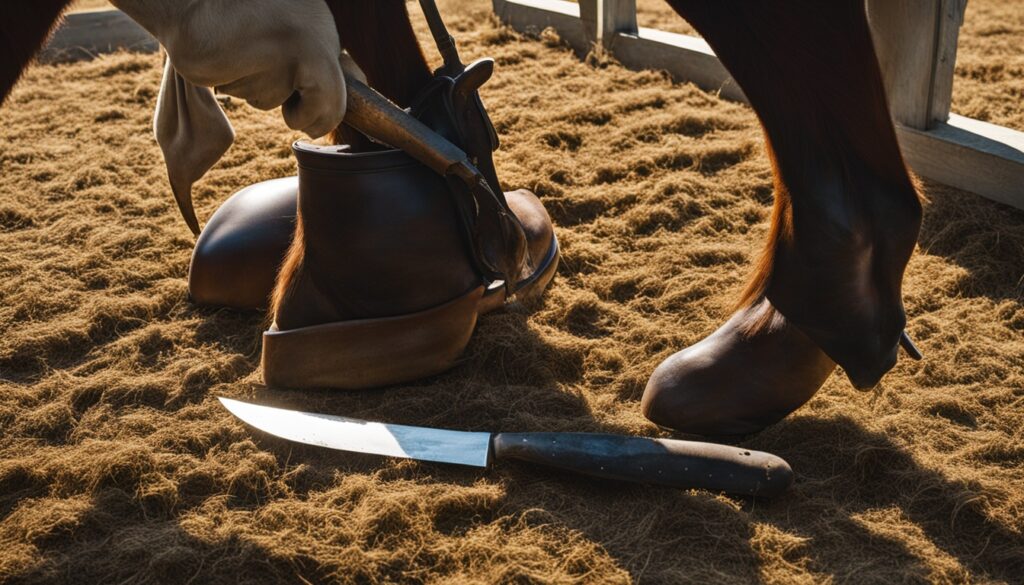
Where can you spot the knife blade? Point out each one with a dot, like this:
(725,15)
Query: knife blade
(665,462)
(360,436)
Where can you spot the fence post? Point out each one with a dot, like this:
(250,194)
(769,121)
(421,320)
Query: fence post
(618,16)
(916,44)
(604,19)
(951,18)
(590,11)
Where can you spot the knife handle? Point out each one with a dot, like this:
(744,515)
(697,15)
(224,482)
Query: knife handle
(373,115)
(665,462)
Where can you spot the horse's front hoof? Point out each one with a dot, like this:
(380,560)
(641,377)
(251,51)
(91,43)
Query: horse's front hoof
(750,373)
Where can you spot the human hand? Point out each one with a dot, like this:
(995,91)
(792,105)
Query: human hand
(268,53)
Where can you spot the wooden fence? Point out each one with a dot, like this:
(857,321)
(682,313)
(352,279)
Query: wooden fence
(916,42)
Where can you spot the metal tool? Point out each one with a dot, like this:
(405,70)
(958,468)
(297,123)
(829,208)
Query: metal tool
(666,462)
(492,230)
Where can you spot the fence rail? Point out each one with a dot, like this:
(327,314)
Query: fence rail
(916,42)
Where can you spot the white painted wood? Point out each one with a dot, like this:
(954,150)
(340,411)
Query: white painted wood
(970,155)
(951,18)
(905,39)
(685,57)
(618,16)
(84,35)
(533,16)
(590,16)
(916,45)
(603,19)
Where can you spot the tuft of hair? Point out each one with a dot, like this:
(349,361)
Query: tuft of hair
(291,267)
(781,229)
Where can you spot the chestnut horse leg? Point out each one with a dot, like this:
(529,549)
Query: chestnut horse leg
(845,221)
(24,26)
(380,38)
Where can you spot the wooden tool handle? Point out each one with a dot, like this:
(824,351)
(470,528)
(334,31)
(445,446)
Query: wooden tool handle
(680,464)
(373,115)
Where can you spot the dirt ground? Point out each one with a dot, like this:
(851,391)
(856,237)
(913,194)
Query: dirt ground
(117,464)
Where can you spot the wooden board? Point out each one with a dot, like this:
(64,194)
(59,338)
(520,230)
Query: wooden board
(83,35)
(970,155)
(603,19)
(951,18)
(686,58)
(961,152)
(916,45)
(533,16)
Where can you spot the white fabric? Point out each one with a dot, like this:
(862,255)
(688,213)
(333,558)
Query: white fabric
(269,53)
(193,134)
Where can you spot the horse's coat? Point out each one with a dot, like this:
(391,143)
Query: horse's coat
(24,27)
(828,285)
(396,68)
(846,212)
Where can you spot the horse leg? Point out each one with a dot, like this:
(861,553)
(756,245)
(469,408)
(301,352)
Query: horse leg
(846,218)
(380,38)
(24,26)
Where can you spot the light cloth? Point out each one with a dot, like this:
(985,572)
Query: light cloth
(269,53)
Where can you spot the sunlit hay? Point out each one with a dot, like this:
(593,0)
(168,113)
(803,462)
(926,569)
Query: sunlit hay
(989,82)
(117,464)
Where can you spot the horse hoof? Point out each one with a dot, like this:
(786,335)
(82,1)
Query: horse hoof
(738,380)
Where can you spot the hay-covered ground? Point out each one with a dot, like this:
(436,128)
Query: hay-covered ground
(117,465)
(90,5)
(989,68)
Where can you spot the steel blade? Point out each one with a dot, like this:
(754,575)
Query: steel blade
(360,436)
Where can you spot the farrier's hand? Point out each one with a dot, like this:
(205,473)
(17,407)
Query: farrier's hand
(267,52)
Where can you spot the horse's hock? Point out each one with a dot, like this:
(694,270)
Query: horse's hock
(916,41)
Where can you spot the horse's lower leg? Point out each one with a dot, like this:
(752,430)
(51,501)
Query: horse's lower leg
(846,212)
(380,38)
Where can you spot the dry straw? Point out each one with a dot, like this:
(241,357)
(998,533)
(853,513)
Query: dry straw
(117,465)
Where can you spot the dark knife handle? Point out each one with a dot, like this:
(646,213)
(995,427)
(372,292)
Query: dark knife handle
(666,462)
(373,115)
